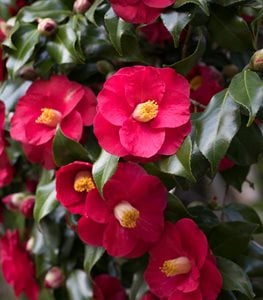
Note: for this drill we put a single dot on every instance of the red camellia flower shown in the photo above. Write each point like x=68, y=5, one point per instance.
x=130, y=217
x=149, y=296
x=139, y=11
x=6, y=170
x=74, y=186
x=18, y=269
x=143, y=112
x=108, y=288
x=204, y=82
x=156, y=33
x=49, y=103
x=181, y=266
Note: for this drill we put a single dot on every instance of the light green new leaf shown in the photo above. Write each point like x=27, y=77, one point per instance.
x=246, y=88
x=104, y=168
x=216, y=127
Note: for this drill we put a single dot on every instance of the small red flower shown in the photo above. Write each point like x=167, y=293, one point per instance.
x=205, y=83
x=108, y=288
x=143, y=112
x=156, y=33
x=130, y=217
x=74, y=186
x=18, y=269
x=140, y=11
x=49, y=103
x=6, y=170
x=181, y=266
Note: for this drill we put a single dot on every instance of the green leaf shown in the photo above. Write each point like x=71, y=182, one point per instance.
x=104, y=168
x=63, y=47
x=55, y=10
x=45, y=196
x=236, y=176
x=180, y=163
x=90, y=14
x=175, y=22
x=175, y=209
x=79, y=286
x=185, y=65
x=201, y=3
x=229, y=30
x=24, y=40
x=246, y=88
x=66, y=150
x=46, y=294
x=230, y=239
x=216, y=127
x=234, y=278
x=116, y=28
x=227, y=2
x=92, y=255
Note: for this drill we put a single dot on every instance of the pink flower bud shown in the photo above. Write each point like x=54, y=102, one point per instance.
x=81, y=6
x=14, y=201
x=27, y=206
x=30, y=244
x=54, y=278
x=256, y=62
x=47, y=26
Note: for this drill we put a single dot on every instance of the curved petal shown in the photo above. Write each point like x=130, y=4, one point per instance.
x=196, y=295
x=141, y=140
x=72, y=125
x=158, y=3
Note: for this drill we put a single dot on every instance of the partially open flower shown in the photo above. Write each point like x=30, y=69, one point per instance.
x=47, y=26
x=54, y=278
x=81, y=6
x=14, y=201
x=256, y=62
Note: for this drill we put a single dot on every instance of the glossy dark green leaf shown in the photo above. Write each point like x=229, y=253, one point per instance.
x=180, y=163
x=116, y=28
x=175, y=209
x=66, y=150
x=216, y=127
x=227, y=2
x=24, y=40
x=230, y=239
x=104, y=168
x=90, y=14
x=236, y=176
x=45, y=196
x=55, y=10
x=251, y=265
x=92, y=255
x=234, y=278
x=229, y=30
x=185, y=65
x=175, y=22
x=246, y=88
x=79, y=286
x=201, y=3
x=63, y=48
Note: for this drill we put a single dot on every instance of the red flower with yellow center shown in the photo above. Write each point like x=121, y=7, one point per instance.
x=181, y=266
x=143, y=112
x=130, y=217
x=47, y=104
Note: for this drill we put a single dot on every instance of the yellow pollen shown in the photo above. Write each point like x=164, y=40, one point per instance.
x=146, y=111
x=50, y=117
x=196, y=82
x=83, y=182
x=126, y=214
x=177, y=266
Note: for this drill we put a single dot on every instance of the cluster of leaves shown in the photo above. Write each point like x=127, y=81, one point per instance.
x=92, y=45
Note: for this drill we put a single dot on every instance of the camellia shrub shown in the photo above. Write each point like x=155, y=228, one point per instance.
x=118, y=119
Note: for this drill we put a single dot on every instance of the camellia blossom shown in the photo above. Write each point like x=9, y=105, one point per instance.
x=143, y=112
x=6, y=170
x=74, y=186
x=18, y=270
x=48, y=103
x=139, y=11
x=156, y=33
x=130, y=217
x=106, y=287
x=181, y=266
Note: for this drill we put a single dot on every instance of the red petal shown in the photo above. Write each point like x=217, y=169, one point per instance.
x=90, y=232
x=72, y=125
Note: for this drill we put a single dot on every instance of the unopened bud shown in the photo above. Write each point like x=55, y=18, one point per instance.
x=27, y=206
x=30, y=244
x=47, y=26
x=54, y=278
x=256, y=62
x=81, y=6
x=14, y=201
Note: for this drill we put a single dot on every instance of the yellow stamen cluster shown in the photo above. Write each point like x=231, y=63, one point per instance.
x=146, y=111
x=126, y=214
x=177, y=266
x=50, y=117
x=196, y=82
x=83, y=182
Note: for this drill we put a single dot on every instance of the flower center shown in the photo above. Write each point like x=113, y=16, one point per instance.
x=126, y=214
x=50, y=117
x=196, y=82
x=83, y=182
x=146, y=111
x=177, y=266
